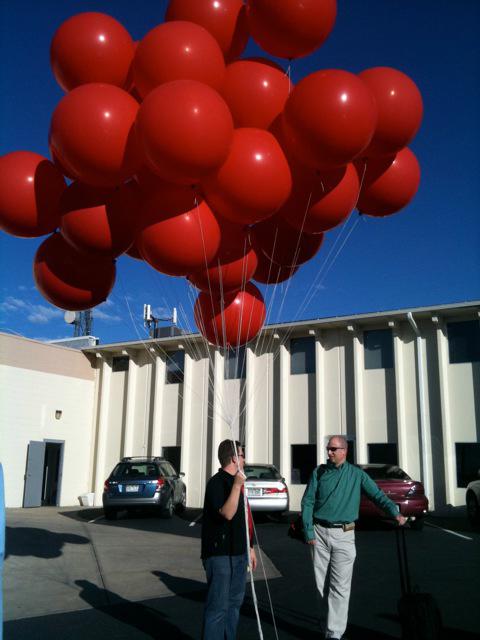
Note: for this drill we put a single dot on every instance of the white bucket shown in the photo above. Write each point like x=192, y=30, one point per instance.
x=87, y=500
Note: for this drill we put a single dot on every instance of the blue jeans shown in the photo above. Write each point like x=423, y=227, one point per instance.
x=226, y=578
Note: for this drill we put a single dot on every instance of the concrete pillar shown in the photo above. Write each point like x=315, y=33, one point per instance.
x=102, y=430
x=447, y=431
x=400, y=392
x=358, y=366
x=186, y=412
x=160, y=368
x=320, y=396
x=130, y=407
x=251, y=434
x=218, y=403
x=285, y=449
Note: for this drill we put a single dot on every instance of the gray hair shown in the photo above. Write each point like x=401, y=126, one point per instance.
x=342, y=439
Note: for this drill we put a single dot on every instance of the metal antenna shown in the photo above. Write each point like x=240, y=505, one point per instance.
x=149, y=320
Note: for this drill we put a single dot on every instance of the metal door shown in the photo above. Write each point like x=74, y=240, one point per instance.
x=32, y=496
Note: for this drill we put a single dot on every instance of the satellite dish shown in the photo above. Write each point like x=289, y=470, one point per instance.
x=70, y=317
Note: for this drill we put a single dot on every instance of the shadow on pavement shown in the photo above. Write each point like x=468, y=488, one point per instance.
x=41, y=543
x=143, y=618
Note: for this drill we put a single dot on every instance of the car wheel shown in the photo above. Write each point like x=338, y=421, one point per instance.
x=417, y=524
x=473, y=510
x=183, y=502
x=169, y=508
x=110, y=514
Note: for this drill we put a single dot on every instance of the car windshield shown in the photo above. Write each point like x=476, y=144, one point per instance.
x=259, y=472
x=127, y=470
x=386, y=472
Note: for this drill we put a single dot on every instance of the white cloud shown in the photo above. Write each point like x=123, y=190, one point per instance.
x=98, y=314
x=12, y=304
x=35, y=313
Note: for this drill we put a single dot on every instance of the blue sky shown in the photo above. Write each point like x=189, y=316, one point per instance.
x=425, y=255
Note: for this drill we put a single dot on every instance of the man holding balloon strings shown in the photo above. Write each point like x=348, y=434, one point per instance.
x=330, y=507
x=224, y=544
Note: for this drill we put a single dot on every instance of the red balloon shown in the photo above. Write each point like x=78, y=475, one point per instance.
x=232, y=267
x=185, y=129
x=69, y=280
x=93, y=137
x=256, y=91
x=99, y=221
x=282, y=244
x=268, y=272
x=253, y=182
x=225, y=20
x=321, y=200
x=232, y=320
x=400, y=110
x=177, y=51
x=389, y=184
x=91, y=47
x=178, y=234
x=291, y=28
x=329, y=118
x=30, y=191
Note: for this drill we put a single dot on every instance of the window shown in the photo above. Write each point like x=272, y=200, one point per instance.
x=378, y=346
x=167, y=470
x=464, y=341
x=120, y=363
x=135, y=470
x=175, y=365
x=302, y=355
x=304, y=461
x=383, y=453
x=235, y=363
x=173, y=454
x=468, y=462
x=386, y=472
x=261, y=472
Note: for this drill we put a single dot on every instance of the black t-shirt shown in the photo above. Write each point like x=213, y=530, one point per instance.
x=221, y=537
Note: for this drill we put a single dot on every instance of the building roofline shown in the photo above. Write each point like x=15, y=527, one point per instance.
x=330, y=322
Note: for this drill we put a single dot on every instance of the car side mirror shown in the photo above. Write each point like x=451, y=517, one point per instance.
x=283, y=480
x=181, y=474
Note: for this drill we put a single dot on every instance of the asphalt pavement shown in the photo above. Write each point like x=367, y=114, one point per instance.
x=69, y=573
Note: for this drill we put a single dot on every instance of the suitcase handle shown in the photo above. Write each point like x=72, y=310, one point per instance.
x=403, y=559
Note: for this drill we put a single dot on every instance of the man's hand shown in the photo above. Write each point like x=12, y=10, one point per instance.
x=253, y=559
x=401, y=520
x=239, y=479
x=312, y=542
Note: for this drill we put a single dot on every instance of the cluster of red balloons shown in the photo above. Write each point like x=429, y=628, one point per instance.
x=202, y=164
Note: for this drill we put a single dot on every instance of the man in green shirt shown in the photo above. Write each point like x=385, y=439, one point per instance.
x=330, y=507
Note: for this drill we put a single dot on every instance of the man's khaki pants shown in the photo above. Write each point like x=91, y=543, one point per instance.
x=333, y=557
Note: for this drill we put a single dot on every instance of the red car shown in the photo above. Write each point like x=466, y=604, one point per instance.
x=408, y=494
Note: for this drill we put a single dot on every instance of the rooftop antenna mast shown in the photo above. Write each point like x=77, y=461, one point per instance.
x=149, y=320
x=82, y=322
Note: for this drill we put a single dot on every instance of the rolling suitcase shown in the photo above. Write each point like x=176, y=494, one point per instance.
x=419, y=614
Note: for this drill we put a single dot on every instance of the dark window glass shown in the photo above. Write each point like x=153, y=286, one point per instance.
x=468, y=462
x=304, y=461
x=302, y=355
x=120, y=363
x=464, y=341
x=261, y=472
x=386, y=453
x=386, y=472
x=175, y=365
x=378, y=346
x=173, y=454
x=126, y=470
x=351, y=452
x=167, y=469
x=235, y=363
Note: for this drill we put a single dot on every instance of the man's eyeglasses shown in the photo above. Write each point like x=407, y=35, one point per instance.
x=334, y=448
x=241, y=455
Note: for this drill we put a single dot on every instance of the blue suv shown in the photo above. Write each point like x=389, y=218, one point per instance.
x=144, y=483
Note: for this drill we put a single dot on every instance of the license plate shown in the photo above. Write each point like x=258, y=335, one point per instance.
x=131, y=488
x=254, y=492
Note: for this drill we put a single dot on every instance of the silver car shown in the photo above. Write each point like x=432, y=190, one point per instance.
x=266, y=489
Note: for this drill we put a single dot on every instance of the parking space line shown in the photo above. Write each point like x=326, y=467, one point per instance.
x=194, y=522
x=454, y=533
x=95, y=519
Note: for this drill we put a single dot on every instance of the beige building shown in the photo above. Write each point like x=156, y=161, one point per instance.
x=403, y=386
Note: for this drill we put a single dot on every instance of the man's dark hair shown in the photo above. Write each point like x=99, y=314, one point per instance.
x=226, y=451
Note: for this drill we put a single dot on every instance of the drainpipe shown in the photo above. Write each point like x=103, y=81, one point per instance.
x=423, y=415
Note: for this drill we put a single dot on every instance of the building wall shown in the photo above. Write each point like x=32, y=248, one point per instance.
x=36, y=380
x=423, y=404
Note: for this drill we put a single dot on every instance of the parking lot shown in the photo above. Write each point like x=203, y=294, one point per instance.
x=70, y=573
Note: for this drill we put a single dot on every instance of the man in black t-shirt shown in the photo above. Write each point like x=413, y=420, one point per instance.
x=224, y=544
